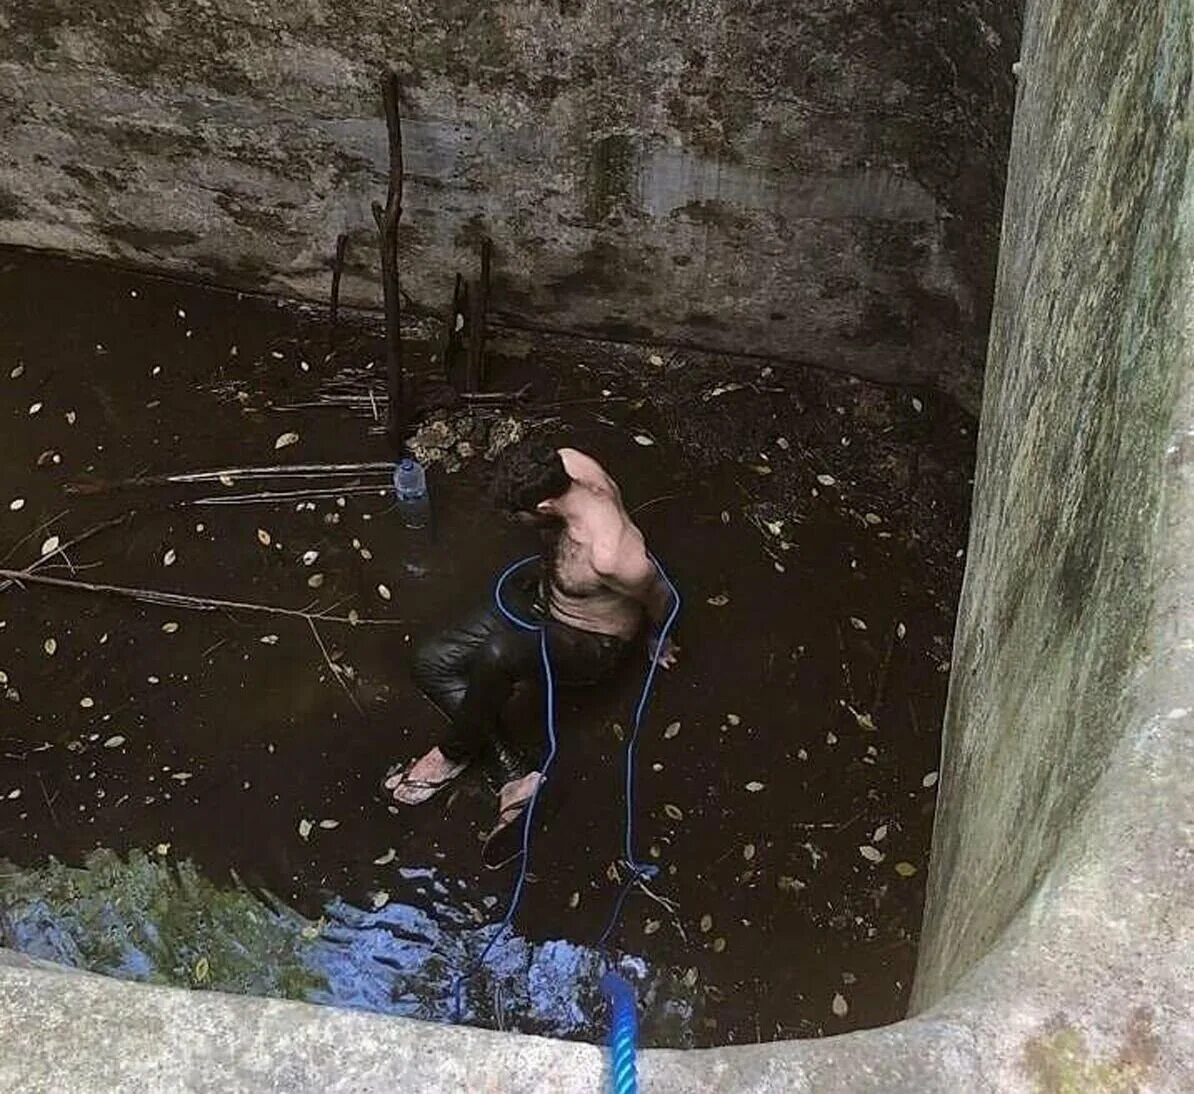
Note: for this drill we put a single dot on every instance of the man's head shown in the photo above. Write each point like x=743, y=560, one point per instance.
x=530, y=477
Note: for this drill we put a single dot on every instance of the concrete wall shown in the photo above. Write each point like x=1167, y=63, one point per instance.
x=818, y=182
x=1058, y=953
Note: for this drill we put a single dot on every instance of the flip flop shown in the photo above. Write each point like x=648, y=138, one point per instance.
x=427, y=787
x=502, y=844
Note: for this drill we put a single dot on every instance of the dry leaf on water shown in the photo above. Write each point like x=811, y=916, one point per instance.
x=50, y=546
x=839, y=1005
x=169, y=557
x=754, y=787
x=671, y=731
x=285, y=440
x=871, y=854
x=304, y=828
x=905, y=869
x=263, y=537
x=386, y=859
x=674, y=812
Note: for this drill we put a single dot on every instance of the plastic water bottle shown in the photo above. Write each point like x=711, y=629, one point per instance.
x=410, y=485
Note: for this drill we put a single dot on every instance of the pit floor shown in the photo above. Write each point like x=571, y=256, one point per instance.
x=814, y=525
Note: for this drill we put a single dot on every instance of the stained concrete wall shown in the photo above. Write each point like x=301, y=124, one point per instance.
x=816, y=182
x=1058, y=953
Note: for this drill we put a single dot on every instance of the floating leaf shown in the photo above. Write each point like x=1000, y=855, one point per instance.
x=643, y=439
x=671, y=731
x=70, y=417
x=674, y=811
x=719, y=944
x=315, y=580
x=169, y=628
x=182, y=776
x=169, y=557
x=50, y=645
x=114, y=742
x=748, y=852
x=162, y=849
x=35, y=408
x=329, y=824
x=857, y=623
x=386, y=859
x=379, y=899
x=574, y=900
x=905, y=869
x=871, y=854
x=839, y=1005
x=718, y=601
x=285, y=440
x=690, y=978
x=880, y=834
x=733, y=719
x=917, y=405
x=16, y=504
x=263, y=537
x=929, y=780
x=50, y=546
x=651, y=926
x=309, y=557
x=269, y=639
x=384, y=592
x=86, y=702
x=826, y=480
x=706, y=923
x=901, y=630
x=202, y=967
x=754, y=787
x=655, y=360
x=227, y=480
x=787, y=884
x=872, y=518
x=304, y=828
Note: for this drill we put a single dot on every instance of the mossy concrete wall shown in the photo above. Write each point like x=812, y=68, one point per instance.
x=1058, y=952
x=816, y=182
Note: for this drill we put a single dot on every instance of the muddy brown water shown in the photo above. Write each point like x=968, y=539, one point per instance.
x=791, y=812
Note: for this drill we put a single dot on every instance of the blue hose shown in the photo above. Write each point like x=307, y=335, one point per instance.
x=614, y=987
x=623, y=1032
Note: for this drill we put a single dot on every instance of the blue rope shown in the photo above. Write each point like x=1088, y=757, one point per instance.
x=552, y=747
x=638, y=870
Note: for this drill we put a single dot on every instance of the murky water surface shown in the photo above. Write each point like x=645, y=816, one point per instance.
x=192, y=796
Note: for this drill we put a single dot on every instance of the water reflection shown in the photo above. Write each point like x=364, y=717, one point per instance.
x=159, y=921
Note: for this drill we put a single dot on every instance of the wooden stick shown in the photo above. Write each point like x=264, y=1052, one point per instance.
x=293, y=470
x=387, y=219
x=274, y=497
x=337, y=272
x=102, y=526
x=333, y=668
x=486, y=272
x=181, y=600
x=476, y=324
x=450, y=336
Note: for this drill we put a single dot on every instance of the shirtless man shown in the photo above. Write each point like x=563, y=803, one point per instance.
x=596, y=587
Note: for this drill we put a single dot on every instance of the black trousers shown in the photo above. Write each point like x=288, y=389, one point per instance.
x=470, y=671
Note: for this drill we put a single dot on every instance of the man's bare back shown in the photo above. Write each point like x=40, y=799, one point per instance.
x=602, y=579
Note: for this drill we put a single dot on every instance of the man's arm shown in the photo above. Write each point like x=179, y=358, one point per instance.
x=638, y=578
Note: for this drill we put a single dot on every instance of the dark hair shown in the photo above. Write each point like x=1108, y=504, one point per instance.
x=528, y=474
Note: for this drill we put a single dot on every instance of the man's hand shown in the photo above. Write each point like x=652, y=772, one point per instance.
x=667, y=654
